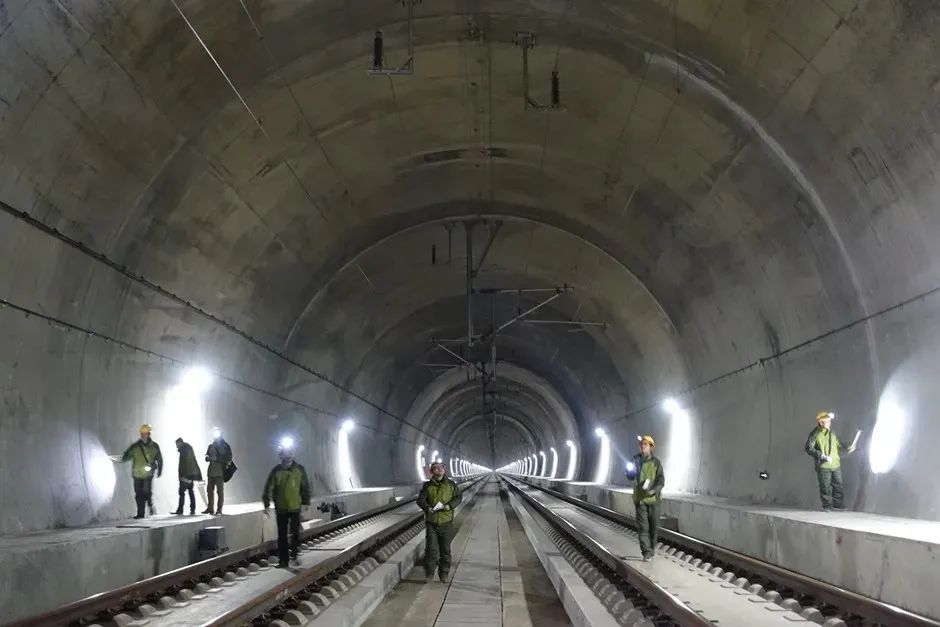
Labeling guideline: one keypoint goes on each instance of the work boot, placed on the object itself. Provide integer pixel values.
(178, 512)
(442, 576)
(138, 516)
(428, 576)
(218, 512)
(192, 512)
(208, 510)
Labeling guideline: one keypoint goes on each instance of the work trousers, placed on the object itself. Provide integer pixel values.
(219, 484)
(647, 523)
(287, 521)
(143, 494)
(830, 487)
(186, 486)
(437, 539)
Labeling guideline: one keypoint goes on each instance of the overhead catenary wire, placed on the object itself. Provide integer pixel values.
(121, 269)
(781, 353)
(66, 327)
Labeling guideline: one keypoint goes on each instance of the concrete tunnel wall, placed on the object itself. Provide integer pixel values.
(786, 191)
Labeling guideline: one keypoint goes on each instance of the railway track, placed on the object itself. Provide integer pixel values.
(243, 588)
(641, 594)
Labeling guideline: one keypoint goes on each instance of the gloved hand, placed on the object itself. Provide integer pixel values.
(825, 459)
(267, 512)
(437, 507)
(116, 458)
(647, 484)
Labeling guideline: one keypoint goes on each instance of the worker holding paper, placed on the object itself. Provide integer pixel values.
(438, 498)
(825, 447)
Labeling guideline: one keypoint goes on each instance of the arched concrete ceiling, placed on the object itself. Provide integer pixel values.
(726, 180)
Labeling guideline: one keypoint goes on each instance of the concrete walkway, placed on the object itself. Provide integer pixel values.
(496, 579)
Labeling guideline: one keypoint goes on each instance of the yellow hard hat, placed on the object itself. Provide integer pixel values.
(823, 415)
(145, 428)
(646, 438)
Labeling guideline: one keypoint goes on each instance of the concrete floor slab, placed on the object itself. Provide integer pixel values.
(892, 559)
(78, 562)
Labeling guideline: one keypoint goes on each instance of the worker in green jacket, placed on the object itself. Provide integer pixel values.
(289, 488)
(146, 461)
(647, 471)
(438, 498)
(825, 447)
(189, 474)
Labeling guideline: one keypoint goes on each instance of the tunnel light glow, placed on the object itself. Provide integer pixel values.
(433, 457)
(554, 462)
(680, 445)
(344, 466)
(196, 378)
(216, 433)
(534, 469)
(348, 425)
(671, 405)
(286, 443)
(603, 459)
(453, 460)
(100, 475)
(419, 463)
(572, 460)
(889, 434)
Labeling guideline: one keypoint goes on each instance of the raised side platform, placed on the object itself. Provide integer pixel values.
(894, 560)
(47, 569)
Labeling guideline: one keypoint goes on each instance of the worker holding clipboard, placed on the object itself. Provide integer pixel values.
(825, 447)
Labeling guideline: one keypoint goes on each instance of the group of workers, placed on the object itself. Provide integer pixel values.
(645, 469)
(147, 463)
(288, 487)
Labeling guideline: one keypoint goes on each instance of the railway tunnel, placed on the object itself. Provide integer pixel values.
(507, 235)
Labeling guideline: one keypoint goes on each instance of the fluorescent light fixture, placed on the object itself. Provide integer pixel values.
(348, 425)
(603, 459)
(542, 455)
(419, 463)
(345, 470)
(671, 405)
(196, 378)
(572, 460)
(554, 462)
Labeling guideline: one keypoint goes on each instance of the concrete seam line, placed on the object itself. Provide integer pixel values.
(100, 257)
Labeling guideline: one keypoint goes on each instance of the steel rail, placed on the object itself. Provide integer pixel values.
(664, 600)
(845, 600)
(138, 592)
(258, 605)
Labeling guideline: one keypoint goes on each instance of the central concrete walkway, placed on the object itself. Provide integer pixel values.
(496, 578)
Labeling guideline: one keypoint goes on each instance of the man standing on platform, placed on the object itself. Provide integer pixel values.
(146, 461)
(824, 446)
(288, 487)
(219, 456)
(438, 498)
(647, 494)
(189, 473)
